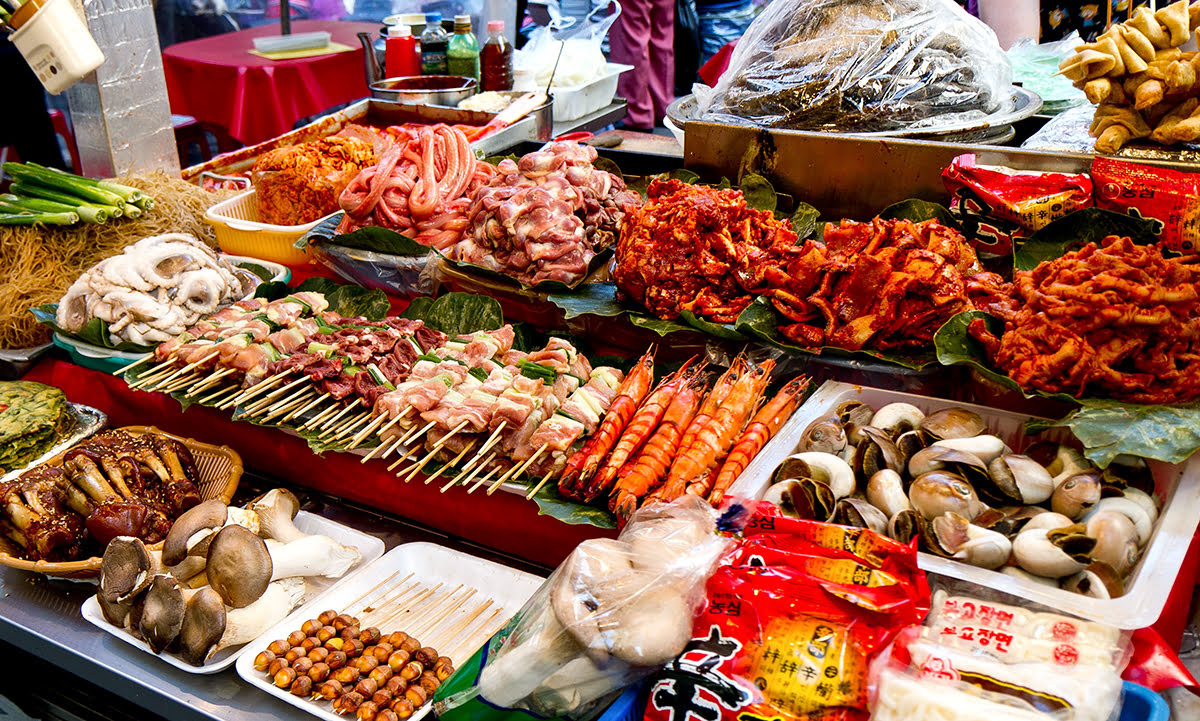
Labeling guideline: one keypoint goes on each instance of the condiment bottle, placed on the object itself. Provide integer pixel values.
(462, 54)
(433, 46)
(496, 59)
(403, 55)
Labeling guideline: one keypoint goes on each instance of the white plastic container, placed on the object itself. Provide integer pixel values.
(508, 588)
(297, 41)
(1176, 486)
(56, 43)
(370, 547)
(572, 103)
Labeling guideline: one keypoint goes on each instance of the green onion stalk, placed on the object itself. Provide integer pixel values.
(87, 213)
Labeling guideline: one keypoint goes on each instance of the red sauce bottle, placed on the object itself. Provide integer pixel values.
(402, 57)
(496, 59)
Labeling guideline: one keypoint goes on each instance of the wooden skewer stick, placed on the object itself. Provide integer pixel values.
(209, 382)
(456, 459)
(332, 422)
(350, 426)
(417, 601)
(177, 384)
(541, 483)
(275, 393)
(213, 397)
(479, 466)
(258, 389)
(475, 640)
(394, 421)
(319, 417)
(389, 449)
(296, 402)
(362, 435)
(413, 435)
(151, 377)
(491, 441)
(375, 588)
(433, 451)
(423, 602)
(429, 623)
(416, 625)
(405, 439)
(192, 365)
(122, 371)
(311, 404)
(407, 594)
(519, 469)
(448, 635)
(336, 417)
(484, 478)
(274, 403)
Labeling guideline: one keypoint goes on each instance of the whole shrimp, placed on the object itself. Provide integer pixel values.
(643, 423)
(647, 470)
(716, 396)
(715, 438)
(586, 461)
(765, 424)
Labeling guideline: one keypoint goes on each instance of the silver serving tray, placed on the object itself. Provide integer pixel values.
(17, 362)
(1024, 104)
(85, 422)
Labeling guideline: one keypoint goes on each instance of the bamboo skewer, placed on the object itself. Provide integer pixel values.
(135, 364)
(479, 466)
(302, 379)
(209, 382)
(386, 453)
(484, 479)
(321, 398)
(192, 365)
(448, 635)
(418, 623)
(319, 417)
(540, 483)
(475, 640)
(349, 426)
(273, 403)
(433, 451)
(376, 587)
(151, 377)
(405, 439)
(415, 602)
(362, 435)
(349, 407)
(295, 403)
(259, 388)
(491, 441)
(430, 622)
(456, 459)
(424, 601)
(408, 594)
(331, 424)
(218, 394)
(518, 470)
(177, 384)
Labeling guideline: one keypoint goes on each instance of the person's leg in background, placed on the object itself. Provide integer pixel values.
(662, 57)
(26, 126)
(629, 41)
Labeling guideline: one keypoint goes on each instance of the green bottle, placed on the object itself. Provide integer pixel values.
(462, 55)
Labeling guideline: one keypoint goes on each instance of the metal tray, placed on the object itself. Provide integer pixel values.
(85, 421)
(1024, 104)
(370, 111)
(17, 362)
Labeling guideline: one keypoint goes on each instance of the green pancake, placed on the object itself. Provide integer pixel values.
(33, 417)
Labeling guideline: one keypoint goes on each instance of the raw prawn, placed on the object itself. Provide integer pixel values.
(715, 438)
(716, 396)
(643, 423)
(647, 470)
(765, 424)
(586, 461)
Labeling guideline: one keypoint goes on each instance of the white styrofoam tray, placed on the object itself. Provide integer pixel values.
(576, 101)
(1176, 486)
(370, 547)
(507, 587)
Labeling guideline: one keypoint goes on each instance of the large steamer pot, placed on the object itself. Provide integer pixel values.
(447, 90)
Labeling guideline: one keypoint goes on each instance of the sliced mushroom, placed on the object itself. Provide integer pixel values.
(985, 448)
(208, 515)
(239, 566)
(1053, 554)
(896, 418)
(824, 435)
(126, 569)
(203, 625)
(933, 494)
(162, 615)
(885, 491)
(969, 543)
(1116, 540)
(953, 423)
(1076, 495)
(1033, 482)
(276, 510)
(860, 514)
(823, 467)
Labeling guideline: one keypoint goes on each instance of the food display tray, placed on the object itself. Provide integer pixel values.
(17, 362)
(428, 562)
(1177, 487)
(370, 547)
(85, 421)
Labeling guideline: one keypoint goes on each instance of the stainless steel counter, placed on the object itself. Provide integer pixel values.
(42, 617)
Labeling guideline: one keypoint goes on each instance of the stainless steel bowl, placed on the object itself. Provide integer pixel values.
(425, 89)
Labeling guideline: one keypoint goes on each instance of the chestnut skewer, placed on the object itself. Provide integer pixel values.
(430, 621)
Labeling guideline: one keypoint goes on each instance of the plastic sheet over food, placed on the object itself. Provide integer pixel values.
(861, 66)
(615, 611)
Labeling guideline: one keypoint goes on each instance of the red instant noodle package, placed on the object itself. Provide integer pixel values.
(793, 619)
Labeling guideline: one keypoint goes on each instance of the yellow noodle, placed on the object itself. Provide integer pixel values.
(37, 265)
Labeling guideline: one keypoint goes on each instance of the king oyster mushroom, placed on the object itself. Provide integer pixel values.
(1053, 554)
(243, 625)
(932, 494)
(822, 467)
(950, 423)
(897, 418)
(874, 453)
(162, 615)
(961, 540)
(276, 510)
(208, 627)
(210, 514)
(859, 514)
(203, 625)
(984, 447)
(1116, 540)
(885, 491)
(1033, 483)
(126, 569)
(824, 435)
(1076, 495)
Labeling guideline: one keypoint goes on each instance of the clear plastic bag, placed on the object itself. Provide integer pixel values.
(861, 66)
(612, 613)
(581, 41)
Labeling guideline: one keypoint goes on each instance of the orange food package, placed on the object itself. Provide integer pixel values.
(791, 626)
(1169, 198)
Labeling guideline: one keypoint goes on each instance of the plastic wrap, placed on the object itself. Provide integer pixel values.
(861, 66)
(580, 42)
(612, 613)
(977, 657)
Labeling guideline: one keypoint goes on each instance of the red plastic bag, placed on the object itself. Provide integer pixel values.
(791, 625)
(1007, 206)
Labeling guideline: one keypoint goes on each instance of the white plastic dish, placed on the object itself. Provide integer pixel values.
(576, 101)
(428, 562)
(1176, 486)
(315, 589)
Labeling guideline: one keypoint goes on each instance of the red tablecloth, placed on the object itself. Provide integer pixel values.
(216, 80)
(503, 521)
